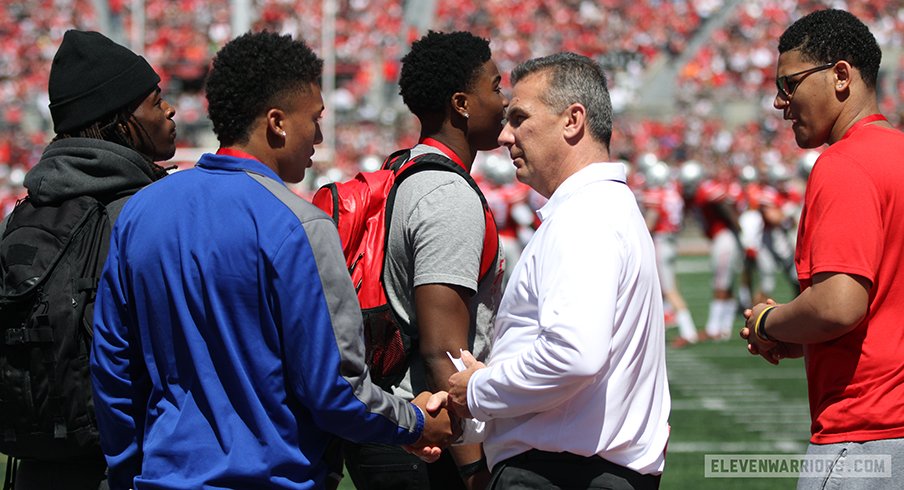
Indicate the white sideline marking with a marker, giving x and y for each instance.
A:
(736, 447)
(711, 387)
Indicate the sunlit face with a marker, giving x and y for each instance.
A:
(153, 128)
(303, 110)
(533, 133)
(812, 107)
(486, 108)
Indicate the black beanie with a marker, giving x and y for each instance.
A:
(92, 77)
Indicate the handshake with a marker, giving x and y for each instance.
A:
(442, 428)
(443, 412)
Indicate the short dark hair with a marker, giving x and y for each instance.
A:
(827, 36)
(574, 78)
(250, 74)
(439, 65)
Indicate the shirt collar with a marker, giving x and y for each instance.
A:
(595, 172)
(237, 162)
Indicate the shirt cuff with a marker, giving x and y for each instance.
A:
(473, 405)
(473, 432)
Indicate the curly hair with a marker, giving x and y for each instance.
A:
(828, 36)
(439, 65)
(251, 74)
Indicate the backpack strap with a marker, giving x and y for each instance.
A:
(334, 197)
(404, 167)
(396, 159)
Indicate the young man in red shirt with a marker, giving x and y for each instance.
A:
(847, 320)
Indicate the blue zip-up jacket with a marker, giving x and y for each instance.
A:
(228, 343)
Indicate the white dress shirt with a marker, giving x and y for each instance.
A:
(578, 360)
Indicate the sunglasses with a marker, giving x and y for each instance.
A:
(786, 86)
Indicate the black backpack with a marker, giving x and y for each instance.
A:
(50, 260)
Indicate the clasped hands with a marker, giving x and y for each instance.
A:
(772, 352)
(443, 412)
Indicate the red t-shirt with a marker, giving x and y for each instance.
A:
(853, 223)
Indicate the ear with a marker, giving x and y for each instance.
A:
(460, 104)
(843, 72)
(575, 120)
(276, 121)
(128, 128)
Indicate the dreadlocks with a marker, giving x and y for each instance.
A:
(115, 129)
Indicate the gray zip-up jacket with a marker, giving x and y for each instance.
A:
(75, 167)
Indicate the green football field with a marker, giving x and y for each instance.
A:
(724, 401)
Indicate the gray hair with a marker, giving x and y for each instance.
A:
(574, 79)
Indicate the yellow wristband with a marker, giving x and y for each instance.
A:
(758, 328)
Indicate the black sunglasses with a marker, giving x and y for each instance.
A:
(786, 87)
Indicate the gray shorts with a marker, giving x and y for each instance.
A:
(872, 465)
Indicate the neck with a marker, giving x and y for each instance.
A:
(575, 161)
(455, 139)
(260, 154)
(850, 114)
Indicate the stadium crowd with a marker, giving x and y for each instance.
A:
(741, 59)
(720, 154)
(627, 37)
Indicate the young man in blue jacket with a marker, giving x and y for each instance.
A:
(228, 344)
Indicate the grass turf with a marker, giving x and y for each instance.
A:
(726, 401)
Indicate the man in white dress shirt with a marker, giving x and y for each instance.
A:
(574, 393)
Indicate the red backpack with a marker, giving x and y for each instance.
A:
(362, 211)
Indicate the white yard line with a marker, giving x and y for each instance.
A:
(738, 447)
(734, 396)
